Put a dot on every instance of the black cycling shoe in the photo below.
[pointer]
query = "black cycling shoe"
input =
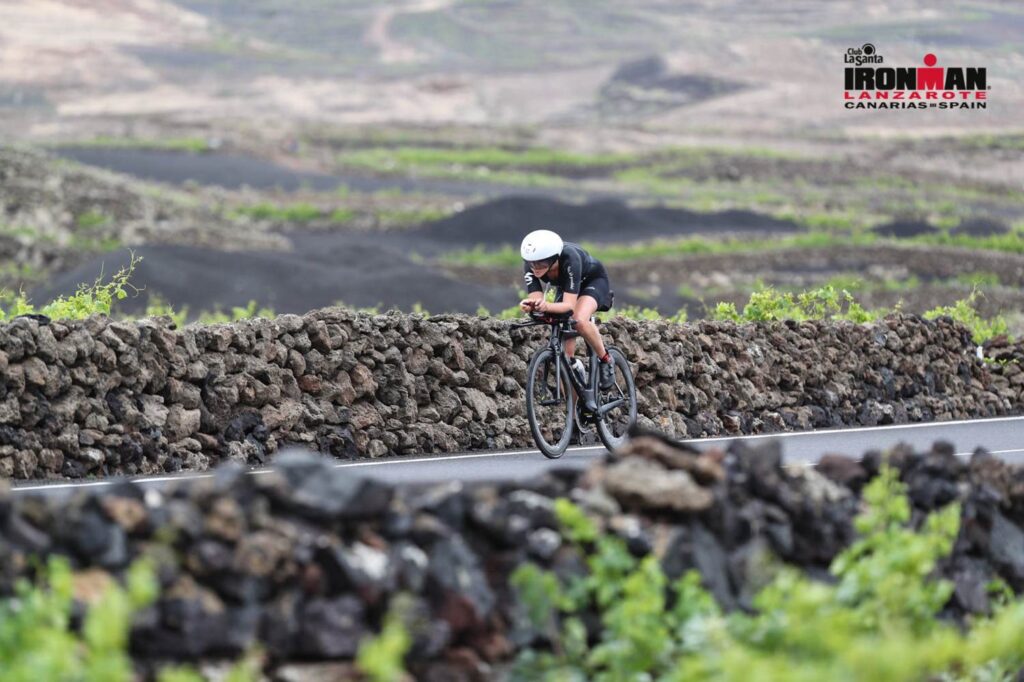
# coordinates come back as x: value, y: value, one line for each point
x: 607, y: 375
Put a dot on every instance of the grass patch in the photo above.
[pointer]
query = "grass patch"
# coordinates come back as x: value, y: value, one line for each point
x: 458, y: 172
x: 24, y: 232
x: 686, y: 291
x: 508, y: 256
x: 291, y: 213
x: 978, y: 279
x: 236, y: 313
x: 985, y: 141
x: 194, y: 145
x: 300, y: 212
x: 23, y: 272
x: 854, y: 283
x: 1011, y: 242
x: 94, y: 244
x: 342, y: 215
x: 535, y: 166
x: 844, y: 281
x: 827, y: 221
x: 158, y: 307
x: 91, y: 220
x: 491, y: 157
x: 413, y: 216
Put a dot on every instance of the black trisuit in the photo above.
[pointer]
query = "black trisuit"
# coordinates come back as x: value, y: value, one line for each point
x: 578, y: 273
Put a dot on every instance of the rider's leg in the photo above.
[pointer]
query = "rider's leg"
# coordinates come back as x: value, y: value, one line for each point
x: 585, y: 307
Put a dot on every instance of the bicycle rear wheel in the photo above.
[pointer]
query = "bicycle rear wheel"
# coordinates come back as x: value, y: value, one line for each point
x: 550, y: 403
x: 613, y: 427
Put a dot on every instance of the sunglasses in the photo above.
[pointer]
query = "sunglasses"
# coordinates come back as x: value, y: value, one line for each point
x: 540, y: 264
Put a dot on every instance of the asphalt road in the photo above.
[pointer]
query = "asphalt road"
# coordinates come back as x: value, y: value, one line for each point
x: 1003, y: 436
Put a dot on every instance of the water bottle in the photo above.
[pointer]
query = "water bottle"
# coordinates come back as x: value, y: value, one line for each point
x: 581, y: 371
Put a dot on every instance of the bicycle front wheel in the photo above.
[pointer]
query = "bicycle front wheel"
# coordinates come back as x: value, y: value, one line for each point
x: 550, y: 403
x: 613, y: 427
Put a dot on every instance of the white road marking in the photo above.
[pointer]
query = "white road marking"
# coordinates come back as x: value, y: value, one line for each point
x: 507, y: 453
x: 818, y: 432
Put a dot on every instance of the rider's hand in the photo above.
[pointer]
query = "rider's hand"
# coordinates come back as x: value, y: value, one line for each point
x: 541, y: 306
x: 526, y: 305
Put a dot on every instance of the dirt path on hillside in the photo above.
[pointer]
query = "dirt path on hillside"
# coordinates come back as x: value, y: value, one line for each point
x: 378, y: 34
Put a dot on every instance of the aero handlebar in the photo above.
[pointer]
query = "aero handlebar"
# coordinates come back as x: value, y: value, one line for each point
x: 542, y: 318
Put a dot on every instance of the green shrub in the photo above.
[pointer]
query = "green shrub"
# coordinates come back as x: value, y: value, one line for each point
x: 88, y: 300
x: 726, y: 312
x: 369, y: 310
x: 963, y: 311
x: 876, y: 622
x: 381, y: 657
x: 825, y: 303
x: 38, y: 642
x: 633, y: 312
x: 157, y: 306
x: 247, y: 312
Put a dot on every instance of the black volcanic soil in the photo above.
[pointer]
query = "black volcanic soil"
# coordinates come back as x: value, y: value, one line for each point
x: 320, y: 272
x: 506, y: 220
x: 387, y: 269
x: 235, y: 170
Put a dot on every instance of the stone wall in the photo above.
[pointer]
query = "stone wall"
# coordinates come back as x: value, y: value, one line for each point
x: 101, y: 397
x: 305, y: 561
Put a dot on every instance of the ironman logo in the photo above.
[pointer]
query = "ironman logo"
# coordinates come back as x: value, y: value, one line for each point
x: 930, y: 86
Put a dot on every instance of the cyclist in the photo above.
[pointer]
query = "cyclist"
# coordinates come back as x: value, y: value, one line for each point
x: 583, y: 288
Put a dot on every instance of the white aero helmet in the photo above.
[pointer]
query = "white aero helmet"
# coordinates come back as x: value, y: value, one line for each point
x: 540, y: 245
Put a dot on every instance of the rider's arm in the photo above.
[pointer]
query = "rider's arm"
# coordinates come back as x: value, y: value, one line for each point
x: 569, y: 279
x: 533, y: 286
x: 567, y: 303
x: 533, y: 298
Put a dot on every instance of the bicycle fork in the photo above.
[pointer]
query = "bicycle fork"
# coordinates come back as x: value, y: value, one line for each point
x: 557, y: 399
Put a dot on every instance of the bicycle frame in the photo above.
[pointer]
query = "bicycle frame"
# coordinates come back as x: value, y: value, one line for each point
x: 561, y: 331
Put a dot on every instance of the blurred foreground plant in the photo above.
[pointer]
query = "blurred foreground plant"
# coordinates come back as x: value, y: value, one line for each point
x: 38, y: 641
x: 877, y: 622
x: 381, y: 657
